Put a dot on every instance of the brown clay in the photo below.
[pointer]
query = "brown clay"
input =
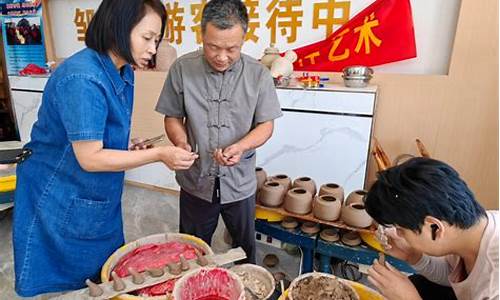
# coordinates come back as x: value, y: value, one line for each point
x: 306, y: 183
x: 261, y: 177
x: 356, y: 196
x: 332, y: 189
x: 351, y: 238
x: 137, y: 277
x: 355, y: 215
x: 201, y: 259
x: 94, y: 289
x: 184, y: 263
x: 329, y: 235
x: 310, y: 228
x: 174, y: 268
x: 326, y: 207
x: 118, y: 284
x: 289, y: 223
x: 319, y: 286
x: 298, y: 201
x: 155, y: 272
x: 270, y: 260
x: 271, y: 194
x: 165, y: 56
x: 283, y: 180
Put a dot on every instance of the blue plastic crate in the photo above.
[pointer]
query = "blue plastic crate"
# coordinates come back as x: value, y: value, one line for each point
x: 6, y: 197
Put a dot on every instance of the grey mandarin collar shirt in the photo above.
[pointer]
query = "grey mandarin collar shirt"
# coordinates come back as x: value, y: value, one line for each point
x: 219, y: 109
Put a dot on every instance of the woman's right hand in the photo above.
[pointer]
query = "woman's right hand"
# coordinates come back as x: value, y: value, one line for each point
x: 176, y: 158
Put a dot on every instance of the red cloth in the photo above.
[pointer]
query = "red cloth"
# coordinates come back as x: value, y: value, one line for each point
x: 154, y: 256
x: 32, y: 69
x: 381, y: 33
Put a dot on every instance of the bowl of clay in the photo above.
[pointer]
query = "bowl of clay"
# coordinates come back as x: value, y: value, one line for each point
x: 320, y: 286
x: 209, y: 283
x: 145, y: 245
x: 259, y: 283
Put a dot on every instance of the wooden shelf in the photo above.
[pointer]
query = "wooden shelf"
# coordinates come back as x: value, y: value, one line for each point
x: 310, y: 217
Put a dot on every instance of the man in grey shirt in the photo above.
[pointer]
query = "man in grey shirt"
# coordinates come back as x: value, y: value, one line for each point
x: 220, y: 103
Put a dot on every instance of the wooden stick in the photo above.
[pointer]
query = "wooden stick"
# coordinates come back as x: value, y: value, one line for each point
x: 421, y: 148
x: 380, y: 164
x: 382, y: 154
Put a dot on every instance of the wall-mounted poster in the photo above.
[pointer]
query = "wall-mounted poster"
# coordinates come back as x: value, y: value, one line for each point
x: 22, y: 32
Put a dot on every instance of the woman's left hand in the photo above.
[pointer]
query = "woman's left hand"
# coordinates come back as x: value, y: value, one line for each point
x: 391, y: 283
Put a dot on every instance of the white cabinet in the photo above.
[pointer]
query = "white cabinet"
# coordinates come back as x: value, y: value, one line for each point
x: 324, y: 134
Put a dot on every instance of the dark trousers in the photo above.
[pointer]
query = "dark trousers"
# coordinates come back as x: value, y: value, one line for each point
x: 199, y: 218
x: 429, y: 290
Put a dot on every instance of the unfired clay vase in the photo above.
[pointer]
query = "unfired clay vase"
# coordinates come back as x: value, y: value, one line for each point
x: 270, y: 54
x: 289, y: 223
x: 306, y: 183
x: 332, y: 189
x: 165, y: 56
x: 356, y: 196
x: 298, y: 201
x: 283, y: 180
x: 283, y: 66
x: 355, y: 215
x: 351, y: 238
x: 310, y: 228
x: 329, y: 235
x: 327, y: 207
x: 271, y: 194
x: 261, y: 177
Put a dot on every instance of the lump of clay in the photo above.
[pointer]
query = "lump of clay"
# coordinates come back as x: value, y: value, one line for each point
x: 322, y: 288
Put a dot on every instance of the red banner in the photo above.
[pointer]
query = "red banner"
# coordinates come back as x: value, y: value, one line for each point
x: 381, y: 33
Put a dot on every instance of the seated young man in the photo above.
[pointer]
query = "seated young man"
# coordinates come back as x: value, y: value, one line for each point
x: 440, y: 229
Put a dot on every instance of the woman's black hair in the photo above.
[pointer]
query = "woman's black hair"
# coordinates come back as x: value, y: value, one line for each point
x: 113, y: 22
x: 404, y: 195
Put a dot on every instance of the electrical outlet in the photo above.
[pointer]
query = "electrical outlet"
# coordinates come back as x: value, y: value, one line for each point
x: 268, y: 240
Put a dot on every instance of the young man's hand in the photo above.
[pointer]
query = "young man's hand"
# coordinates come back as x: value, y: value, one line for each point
x: 391, y: 283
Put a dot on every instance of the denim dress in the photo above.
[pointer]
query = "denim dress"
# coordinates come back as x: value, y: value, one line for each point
x: 68, y: 221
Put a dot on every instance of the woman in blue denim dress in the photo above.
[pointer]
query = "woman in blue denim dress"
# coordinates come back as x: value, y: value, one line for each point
x: 67, y: 215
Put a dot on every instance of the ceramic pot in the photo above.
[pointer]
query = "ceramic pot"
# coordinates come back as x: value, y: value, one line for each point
x: 310, y: 228
x: 332, y: 189
x: 289, y: 223
x: 284, y: 180
x: 356, y: 196
x: 351, y: 238
x: 298, y: 201
x: 165, y: 56
x: 355, y: 215
x: 305, y: 183
x: 283, y: 66
x: 327, y: 207
x: 271, y: 194
x: 329, y: 235
x: 261, y: 177
x: 270, y: 55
